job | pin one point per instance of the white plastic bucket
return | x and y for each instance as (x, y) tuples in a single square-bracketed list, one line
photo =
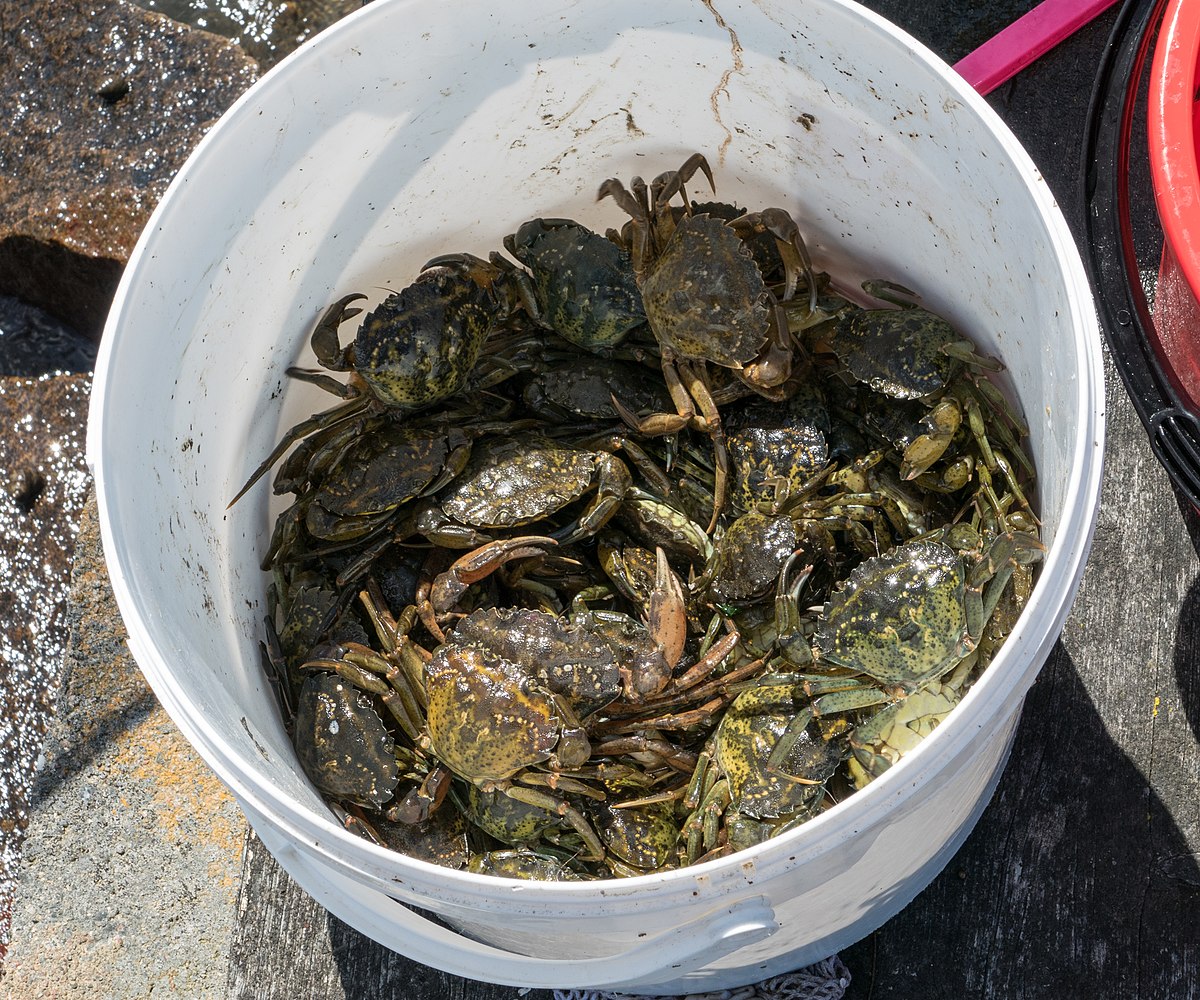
[(410, 129)]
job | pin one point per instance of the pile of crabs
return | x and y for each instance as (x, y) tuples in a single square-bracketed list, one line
[(624, 552)]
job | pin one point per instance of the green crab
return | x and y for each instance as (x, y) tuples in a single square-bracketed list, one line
[(822, 518), (523, 863), (491, 722), (776, 449), (510, 820), (514, 482), (764, 771), (910, 615), (706, 300), (879, 742), (583, 283), (749, 557), (498, 704), (640, 837), (656, 523), (900, 627), (415, 349)]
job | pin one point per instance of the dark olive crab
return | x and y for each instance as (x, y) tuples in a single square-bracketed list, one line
[(509, 820), (515, 482), (342, 743), (583, 387), (901, 353), (704, 295), (379, 472), (583, 283), (749, 556), (706, 300), (416, 348), (910, 353), (569, 658)]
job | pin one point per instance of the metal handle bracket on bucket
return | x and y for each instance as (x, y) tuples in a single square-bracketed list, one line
[(668, 955)]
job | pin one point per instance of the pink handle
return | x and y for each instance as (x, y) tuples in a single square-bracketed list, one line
[(1030, 36)]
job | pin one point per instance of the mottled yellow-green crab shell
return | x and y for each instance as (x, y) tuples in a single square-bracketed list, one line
[(487, 717)]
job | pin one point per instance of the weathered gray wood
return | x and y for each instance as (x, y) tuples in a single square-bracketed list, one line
[(287, 946)]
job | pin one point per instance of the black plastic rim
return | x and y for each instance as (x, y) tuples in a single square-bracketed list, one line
[(1111, 260)]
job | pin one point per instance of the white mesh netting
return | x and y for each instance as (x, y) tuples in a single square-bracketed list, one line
[(824, 980)]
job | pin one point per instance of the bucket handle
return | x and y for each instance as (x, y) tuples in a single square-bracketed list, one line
[(669, 955)]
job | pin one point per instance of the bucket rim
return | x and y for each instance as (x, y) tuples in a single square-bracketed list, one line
[(1004, 681)]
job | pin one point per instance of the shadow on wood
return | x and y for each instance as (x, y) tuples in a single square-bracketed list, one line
[(1076, 866)]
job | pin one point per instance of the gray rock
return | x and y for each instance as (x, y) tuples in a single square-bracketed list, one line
[(107, 101), (43, 486), (129, 882), (32, 342)]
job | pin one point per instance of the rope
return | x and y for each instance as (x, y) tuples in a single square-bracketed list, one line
[(824, 980)]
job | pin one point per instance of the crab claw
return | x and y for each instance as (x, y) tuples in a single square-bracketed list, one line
[(666, 616), (324, 339), (422, 800), (449, 586), (483, 272)]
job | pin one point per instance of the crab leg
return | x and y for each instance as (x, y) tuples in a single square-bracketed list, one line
[(666, 185), (422, 800), (704, 666), (724, 686), (317, 422), (560, 807), (656, 749), (637, 210), (612, 483), (360, 670), (710, 423), (655, 424), (351, 817), (394, 635), (783, 227), (685, 384)]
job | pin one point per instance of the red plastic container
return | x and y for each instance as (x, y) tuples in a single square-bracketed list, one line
[(1174, 131)]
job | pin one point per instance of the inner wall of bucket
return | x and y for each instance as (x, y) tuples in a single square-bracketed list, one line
[(410, 131)]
